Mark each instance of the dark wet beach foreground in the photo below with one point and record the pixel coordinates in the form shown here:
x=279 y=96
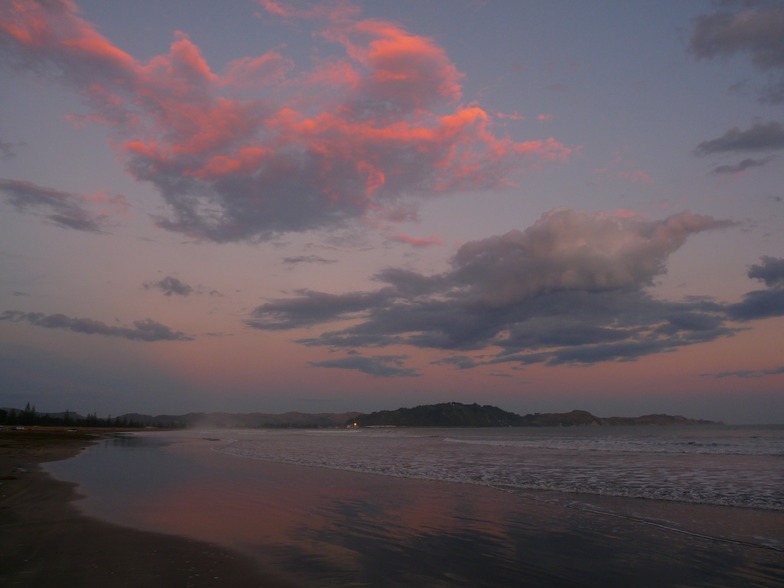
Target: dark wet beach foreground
x=323 y=527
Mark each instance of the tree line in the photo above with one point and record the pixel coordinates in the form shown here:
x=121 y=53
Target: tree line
x=29 y=417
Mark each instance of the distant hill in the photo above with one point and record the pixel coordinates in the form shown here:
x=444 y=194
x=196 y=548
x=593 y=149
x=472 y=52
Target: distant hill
x=455 y=414
x=448 y=414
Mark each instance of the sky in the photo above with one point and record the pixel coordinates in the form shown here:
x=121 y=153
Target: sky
x=271 y=206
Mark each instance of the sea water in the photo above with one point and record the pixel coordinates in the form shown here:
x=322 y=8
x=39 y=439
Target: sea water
x=468 y=507
x=718 y=465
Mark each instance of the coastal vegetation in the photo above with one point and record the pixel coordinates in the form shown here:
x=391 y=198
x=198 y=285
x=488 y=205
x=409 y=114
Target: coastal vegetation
x=448 y=414
x=29 y=417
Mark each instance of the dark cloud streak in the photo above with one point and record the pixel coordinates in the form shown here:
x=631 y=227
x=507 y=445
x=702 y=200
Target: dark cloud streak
x=146 y=330
x=296 y=260
x=380 y=366
x=748 y=373
x=760 y=137
x=64 y=208
x=741 y=166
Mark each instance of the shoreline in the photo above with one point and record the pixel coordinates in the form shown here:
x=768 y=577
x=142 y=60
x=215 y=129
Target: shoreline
x=45 y=541
x=189 y=517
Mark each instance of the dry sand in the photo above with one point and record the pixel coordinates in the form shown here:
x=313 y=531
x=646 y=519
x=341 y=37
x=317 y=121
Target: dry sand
x=44 y=541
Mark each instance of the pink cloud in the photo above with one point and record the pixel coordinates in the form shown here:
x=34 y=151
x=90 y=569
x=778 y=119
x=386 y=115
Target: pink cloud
x=262 y=148
x=623 y=169
x=416 y=241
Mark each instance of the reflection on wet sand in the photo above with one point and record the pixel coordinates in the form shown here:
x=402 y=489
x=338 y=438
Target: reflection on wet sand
x=328 y=527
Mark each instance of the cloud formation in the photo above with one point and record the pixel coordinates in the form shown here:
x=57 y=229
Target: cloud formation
x=416 y=241
x=742 y=27
x=572 y=288
x=760 y=137
x=146 y=330
x=296 y=260
x=770 y=271
x=380 y=366
x=741 y=166
x=777 y=371
x=171 y=285
x=262 y=148
x=759 y=304
x=70 y=211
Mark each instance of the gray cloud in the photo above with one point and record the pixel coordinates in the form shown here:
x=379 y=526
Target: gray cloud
x=311 y=308
x=760 y=137
x=770 y=271
x=753 y=28
x=766 y=303
x=64 y=208
x=380 y=366
x=741 y=166
x=306 y=259
x=756 y=28
x=146 y=330
x=748 y=373
x=759 y=304
x=569 y=289
x=170 y=285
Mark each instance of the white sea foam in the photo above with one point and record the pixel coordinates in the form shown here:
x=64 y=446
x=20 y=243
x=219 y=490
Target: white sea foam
x=741 y=467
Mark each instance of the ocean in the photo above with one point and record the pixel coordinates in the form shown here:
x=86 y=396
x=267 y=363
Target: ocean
x=575 y=506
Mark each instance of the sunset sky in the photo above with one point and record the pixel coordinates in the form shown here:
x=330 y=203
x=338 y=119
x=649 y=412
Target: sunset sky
x=262 y=205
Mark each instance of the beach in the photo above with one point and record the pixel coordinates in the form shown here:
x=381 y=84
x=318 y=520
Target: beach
x=172 y=511
x=45 y=541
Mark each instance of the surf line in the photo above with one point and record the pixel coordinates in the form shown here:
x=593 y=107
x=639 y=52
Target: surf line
x=641 y=520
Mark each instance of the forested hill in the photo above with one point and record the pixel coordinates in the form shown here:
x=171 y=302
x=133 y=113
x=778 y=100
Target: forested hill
x=449 y=414
x=455 y=414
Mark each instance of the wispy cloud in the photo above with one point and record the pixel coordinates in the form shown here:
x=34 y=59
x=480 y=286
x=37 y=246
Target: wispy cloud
x=262 y=147
x=741 y=166
x=416 y=241
x=299 y=259
x=621 y=168
x=380 y=366
x=146 y=330
x=760 y=137
x=777 y=371
x=67 y=210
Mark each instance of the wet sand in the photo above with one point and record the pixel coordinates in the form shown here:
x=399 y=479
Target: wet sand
x=44 y=541
x=324 y=527
x=317 y=527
